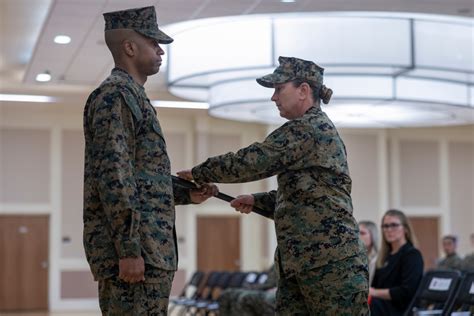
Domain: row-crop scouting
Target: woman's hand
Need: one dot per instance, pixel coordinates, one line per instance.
(243, 203)
(185, 174)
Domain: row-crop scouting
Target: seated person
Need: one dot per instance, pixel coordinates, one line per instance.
(253, 299)
(467, 264)
(451, 261)
(370, 237)
(399, 267)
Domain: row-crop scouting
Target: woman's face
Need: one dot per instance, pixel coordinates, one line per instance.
(286, 98)
(393, 230)
(365, 236)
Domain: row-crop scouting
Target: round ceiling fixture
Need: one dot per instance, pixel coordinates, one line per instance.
(386, 69)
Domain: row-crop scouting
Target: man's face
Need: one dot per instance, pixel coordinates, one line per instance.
(287, 100)
(149, 59)
(449, 246)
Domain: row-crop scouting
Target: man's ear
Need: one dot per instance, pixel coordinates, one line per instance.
(129, 48)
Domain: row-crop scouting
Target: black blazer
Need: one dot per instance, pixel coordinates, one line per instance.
(401, 274)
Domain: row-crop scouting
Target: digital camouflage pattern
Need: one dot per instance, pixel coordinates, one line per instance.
(141, 20)
(121, 298)
(336, 289)
(452, 262)
(129, 197)
(252, 299)
(312, 206)
(292, 68)
(245, 302)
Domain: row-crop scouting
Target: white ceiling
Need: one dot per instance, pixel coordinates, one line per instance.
(27, 29)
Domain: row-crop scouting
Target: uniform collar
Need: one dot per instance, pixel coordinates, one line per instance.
(125, 75)
(313, 109)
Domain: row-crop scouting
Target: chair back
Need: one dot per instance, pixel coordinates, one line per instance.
(262, 278)
(207, 286)
(236, 279)
(220, 285)
(250, 278)
(434, 294)
(190, 290)
(463, 302)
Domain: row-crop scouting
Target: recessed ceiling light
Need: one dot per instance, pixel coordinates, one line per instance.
(43, 77)
(62, 39)
(288, 1)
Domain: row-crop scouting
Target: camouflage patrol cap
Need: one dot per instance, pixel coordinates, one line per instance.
(292, 68)
(141, 20)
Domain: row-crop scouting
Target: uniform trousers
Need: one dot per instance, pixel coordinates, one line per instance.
(117, 298)
(337, 289)
(246, 302)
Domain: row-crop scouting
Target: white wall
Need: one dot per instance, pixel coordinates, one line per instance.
(421, 171)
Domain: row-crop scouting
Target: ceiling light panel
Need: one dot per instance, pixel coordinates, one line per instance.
(393, 65)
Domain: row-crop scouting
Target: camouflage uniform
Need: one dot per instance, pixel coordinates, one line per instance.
(253, 299)
(452, 262)
(128, 193)
(242, 302)
(467, 264)
(320, 258)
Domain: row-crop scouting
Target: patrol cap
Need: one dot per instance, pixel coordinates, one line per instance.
(141, 20)
(292, 68)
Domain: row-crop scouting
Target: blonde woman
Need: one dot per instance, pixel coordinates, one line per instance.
(370, 236)
(399, 267)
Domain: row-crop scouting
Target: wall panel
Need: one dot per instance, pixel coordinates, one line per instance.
(24, 166)
(72, 175)
(419, 173)
(461, 185)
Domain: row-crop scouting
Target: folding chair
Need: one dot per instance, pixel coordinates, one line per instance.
(463, 302)
(262, 278)
(189, 291)
(200, 305)
(202, 291)
(236, 281)
(436, 290)
(250, 278)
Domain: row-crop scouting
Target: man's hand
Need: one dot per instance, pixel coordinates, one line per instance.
(204, 192)
(132, 270)
(185, 174)
(243, 203)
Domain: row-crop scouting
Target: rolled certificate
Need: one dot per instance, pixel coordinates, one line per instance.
(222, 196)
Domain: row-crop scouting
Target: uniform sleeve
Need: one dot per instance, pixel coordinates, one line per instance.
(113, 135)
(288, 147)
(266, 201)
(411, 274)
(181, 195)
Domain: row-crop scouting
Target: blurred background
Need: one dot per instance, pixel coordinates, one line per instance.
(402, 75)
